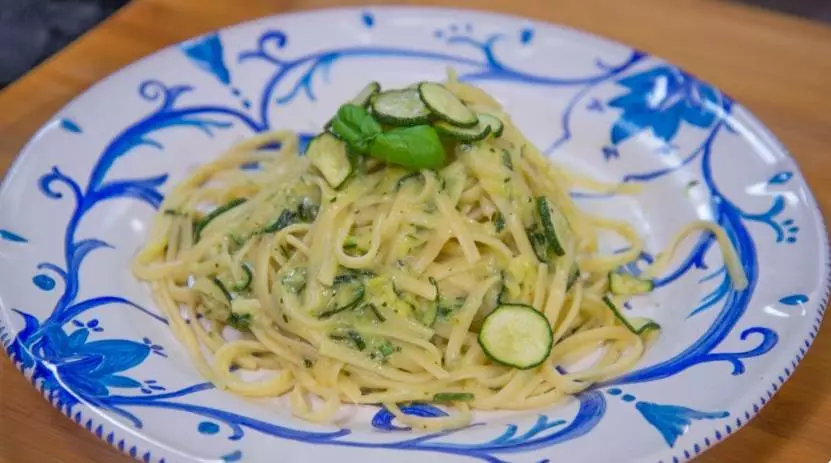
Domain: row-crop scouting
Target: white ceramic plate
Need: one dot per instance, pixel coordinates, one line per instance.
(77, 203)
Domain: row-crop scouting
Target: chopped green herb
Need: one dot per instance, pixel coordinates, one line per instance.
(357, 339)
(498, 221)
(174, 213)
(387, 349)
(308, 363)
(506, 159)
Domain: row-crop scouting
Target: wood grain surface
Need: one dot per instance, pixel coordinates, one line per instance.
(779, 67)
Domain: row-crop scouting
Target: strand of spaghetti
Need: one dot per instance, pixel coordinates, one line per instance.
(571, 315)
(428, 424)
(228, 355)
(608, 263)
(463, 319)
(540, 286)
(351, 357)
(731, 257)
(557, 289)
(506, 393)
(184, 333)
(458, 227)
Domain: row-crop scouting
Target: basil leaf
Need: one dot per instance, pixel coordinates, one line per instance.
(416, 147)
(354, 125)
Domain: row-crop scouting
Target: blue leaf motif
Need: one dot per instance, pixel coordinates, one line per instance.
(117, 355)
(610, 152)
(780, 178)
(31, 324)
(672, 421)
(70, 126)
(120, 381)
(13, 237)
(368, 19)
(80, 384)
(236, 455)
(206, 52)
(44, 282)
(794, 299)
(526, 35)
(383, 418)
(667, 126)
(77, 339)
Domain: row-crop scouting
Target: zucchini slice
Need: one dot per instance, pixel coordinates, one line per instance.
(331, 158)
(636, 326)
(400, 107)
(346, 296)
(294, 280)
(214, 298)
(555, 225)
(445, 105)
(428, 313)
(539, 243)
(463, 134)
(493, 122)
(214, 214)
(516, 335)
(364, 97)
(624, 284)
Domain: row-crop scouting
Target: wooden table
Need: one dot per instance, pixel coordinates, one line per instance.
(780, 67)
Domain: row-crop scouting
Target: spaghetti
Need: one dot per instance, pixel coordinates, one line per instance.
(385, 288)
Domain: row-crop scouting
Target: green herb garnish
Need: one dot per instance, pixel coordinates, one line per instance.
(506, 159)
(416, 147)
(354, 125)
(498, 221)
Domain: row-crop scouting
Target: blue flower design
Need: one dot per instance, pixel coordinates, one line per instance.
(92, 367)
(672, 421)
(660, 98)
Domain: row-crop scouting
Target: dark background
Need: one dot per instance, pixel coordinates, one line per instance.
(32, 30)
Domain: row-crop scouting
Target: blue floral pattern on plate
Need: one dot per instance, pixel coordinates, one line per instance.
(80, 366)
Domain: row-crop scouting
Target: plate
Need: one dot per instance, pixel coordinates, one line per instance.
(78, 201)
